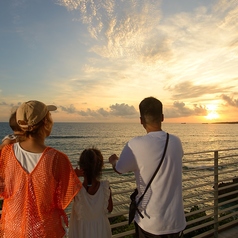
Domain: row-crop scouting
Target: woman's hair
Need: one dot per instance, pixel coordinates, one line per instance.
(91, 161)
(39, 128)
(13, 122)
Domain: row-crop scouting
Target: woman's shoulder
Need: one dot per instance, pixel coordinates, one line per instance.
(55, 151)
(57, 157)
(7, 147)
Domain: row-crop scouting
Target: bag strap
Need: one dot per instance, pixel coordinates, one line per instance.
(165, 148)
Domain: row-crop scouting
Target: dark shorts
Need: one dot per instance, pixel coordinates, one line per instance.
(140, 233)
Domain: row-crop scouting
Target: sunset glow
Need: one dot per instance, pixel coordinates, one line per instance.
(212, 115)
(96, 60)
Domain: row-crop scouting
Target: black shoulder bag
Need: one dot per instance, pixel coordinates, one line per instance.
(133, 208)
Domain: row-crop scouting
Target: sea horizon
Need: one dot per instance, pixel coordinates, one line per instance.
(73, 137)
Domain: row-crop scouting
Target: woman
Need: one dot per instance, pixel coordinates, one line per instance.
(37, 182)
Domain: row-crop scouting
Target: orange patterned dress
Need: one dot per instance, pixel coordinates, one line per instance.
(34, 202)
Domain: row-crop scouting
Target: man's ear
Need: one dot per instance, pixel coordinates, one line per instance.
(162, 117)
(141, 121)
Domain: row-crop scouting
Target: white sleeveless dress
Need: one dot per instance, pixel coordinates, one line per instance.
(89, 214)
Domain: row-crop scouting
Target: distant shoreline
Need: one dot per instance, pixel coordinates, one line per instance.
(231, 122)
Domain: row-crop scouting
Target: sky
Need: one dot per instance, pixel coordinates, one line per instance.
(97, 59)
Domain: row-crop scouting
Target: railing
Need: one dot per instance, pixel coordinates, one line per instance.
(210, 193)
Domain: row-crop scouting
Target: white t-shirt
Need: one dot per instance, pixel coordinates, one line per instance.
(162, 205)
(28, 160)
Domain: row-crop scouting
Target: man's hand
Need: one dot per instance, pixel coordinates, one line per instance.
(113, 160)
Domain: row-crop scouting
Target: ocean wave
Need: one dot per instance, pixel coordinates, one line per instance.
(70, 137)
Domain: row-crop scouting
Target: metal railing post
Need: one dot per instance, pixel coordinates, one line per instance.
(216, 194)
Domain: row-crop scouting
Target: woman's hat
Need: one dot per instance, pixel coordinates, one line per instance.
(32, 112)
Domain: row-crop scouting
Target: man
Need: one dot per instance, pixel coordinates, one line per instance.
(162, 205)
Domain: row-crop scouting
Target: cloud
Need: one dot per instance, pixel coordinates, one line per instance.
(7, 109)
(156, 49)
(91, 13)
(133, 35)
(71, 109)
(229, 100)
(3, 104)
(179, 109)
(10, 105)
(90, 113)
(187, 44)
(116, 110)
(188, 89)
(123, 28)
(123, 110)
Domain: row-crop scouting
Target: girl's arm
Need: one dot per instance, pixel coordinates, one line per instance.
(9, 139)
(79, 172)
(110, 203)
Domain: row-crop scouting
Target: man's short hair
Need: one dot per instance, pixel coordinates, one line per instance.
(151, 110)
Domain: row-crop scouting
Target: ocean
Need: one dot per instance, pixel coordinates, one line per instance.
(73, 138)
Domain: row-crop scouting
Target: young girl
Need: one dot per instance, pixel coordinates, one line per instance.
(93, 202)
(18, 133)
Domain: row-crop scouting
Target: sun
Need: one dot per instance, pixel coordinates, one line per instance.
(212, 114)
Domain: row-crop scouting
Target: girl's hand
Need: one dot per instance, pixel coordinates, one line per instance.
(79, 172)
(9, 139)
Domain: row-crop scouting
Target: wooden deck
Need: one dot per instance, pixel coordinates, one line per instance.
(229, 233)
